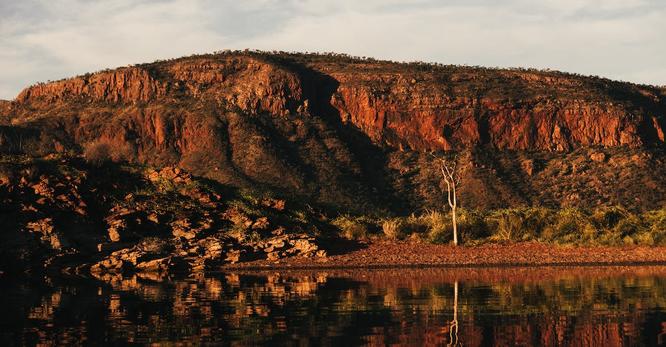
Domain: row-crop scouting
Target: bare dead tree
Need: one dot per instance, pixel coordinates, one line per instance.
(452, 179)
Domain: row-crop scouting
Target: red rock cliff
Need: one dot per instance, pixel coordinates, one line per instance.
(418, 111)
(121, 85)
(398, 105)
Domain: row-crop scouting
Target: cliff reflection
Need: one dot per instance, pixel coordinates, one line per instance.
(473, 307)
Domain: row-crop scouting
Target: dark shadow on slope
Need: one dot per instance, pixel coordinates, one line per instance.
(373, 190)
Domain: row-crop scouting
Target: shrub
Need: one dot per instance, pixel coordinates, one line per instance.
(394, 228)
(645, 238)
(440, 236)
(505, 224)
(101, 151)
(97, 153)
(628, 226)
(436, 222)
(416, 225)
(607, 217)
(570, 226)
(536, 220)
(432, 225)
(472, 226)
(352, 228)
(606, 225)
(655, 225)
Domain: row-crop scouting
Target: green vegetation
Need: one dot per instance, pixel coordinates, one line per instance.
(354, 228)
(612, 226)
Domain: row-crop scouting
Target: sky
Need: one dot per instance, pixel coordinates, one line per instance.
(43, 40)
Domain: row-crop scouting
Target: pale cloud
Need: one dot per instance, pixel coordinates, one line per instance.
(51, 39)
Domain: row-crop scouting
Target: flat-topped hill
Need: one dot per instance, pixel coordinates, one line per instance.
(356, 133)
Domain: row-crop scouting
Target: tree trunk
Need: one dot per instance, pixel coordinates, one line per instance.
(455, 227)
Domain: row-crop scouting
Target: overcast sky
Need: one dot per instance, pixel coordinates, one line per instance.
(50, 39)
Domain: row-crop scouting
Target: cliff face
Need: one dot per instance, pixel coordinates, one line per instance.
(347, 132)
(419, 111)
(441, 109)
(245, 83)
(122, 85)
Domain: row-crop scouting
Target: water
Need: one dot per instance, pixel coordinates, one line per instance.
(607, 306)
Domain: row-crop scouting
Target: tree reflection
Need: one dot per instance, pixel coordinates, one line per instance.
(453, 328)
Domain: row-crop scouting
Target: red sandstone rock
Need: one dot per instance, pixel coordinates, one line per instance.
(399, 107)
(122, 85)
(598, 157)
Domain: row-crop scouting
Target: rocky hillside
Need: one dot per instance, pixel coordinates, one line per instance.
(63, 214)
(356, 134)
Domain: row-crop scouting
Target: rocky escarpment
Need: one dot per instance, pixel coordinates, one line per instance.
(122, 85)
(244, 83)
(451, 123)
(418, 108)
(352, 133)
(451, 110)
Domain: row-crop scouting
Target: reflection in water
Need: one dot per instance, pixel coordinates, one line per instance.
(453, 328)
(472, 307)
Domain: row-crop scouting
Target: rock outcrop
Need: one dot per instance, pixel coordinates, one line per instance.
(423, 117)
(61, 214)
(125, 85)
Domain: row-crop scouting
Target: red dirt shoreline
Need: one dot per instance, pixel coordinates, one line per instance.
(392, 254)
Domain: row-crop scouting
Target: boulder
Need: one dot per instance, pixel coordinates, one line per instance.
(598, 156)
(528, 166)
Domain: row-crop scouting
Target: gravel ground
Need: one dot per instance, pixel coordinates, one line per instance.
(386, 254)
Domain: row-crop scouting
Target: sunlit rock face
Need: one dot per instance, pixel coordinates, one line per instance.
(511, 110)
(418, 107)
(353, 133)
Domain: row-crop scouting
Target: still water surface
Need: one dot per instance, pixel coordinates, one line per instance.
(611, 306)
